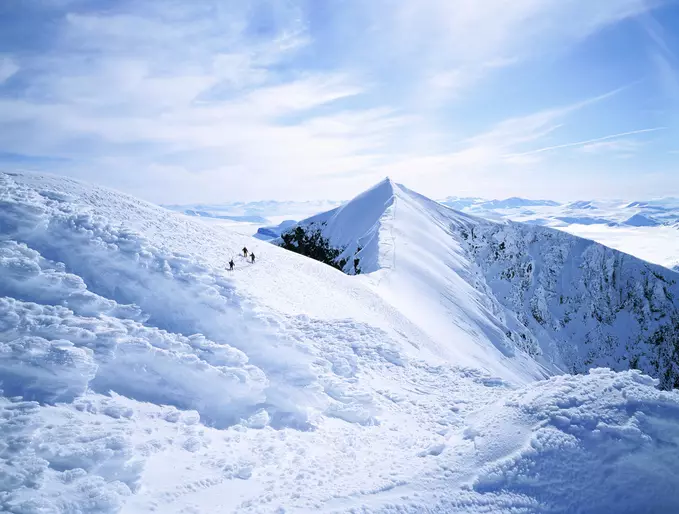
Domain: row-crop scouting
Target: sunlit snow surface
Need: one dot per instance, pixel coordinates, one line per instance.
(139, 375)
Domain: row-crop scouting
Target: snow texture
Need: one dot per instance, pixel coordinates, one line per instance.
(139, 375)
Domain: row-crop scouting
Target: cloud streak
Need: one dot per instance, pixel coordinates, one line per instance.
(590, 141)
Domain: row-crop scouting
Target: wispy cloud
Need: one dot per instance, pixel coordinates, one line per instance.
(591, 143)
(494, 150)
(621, 147)
(662, 56)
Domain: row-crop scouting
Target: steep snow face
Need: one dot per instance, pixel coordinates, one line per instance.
(570, 303)
(138, 375)
(411, 256)
(587, 305)
(355, 226)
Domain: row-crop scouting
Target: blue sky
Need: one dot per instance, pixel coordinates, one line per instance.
(183, 101)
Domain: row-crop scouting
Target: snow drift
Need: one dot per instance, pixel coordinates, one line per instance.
(139, 375)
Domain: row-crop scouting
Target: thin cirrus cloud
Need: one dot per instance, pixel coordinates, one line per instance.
(218, 100)
(603, 142)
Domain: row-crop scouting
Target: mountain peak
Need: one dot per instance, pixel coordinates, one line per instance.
(355, 224)
(384, 189)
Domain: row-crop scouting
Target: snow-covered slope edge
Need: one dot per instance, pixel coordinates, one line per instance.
(569, 302)
(138, 375)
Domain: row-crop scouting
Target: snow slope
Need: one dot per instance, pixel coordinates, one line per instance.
(568, 302)
(138, 375)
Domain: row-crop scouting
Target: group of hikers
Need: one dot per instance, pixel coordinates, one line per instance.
(245, 255)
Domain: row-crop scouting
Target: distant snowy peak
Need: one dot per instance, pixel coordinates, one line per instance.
(363, 228)
(639, 220)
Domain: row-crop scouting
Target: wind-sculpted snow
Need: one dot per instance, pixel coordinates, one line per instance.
(138, 375)
(604, 428)
(603, 442)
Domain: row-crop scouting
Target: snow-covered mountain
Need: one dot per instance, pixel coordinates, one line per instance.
(571, 303)
(139, 375)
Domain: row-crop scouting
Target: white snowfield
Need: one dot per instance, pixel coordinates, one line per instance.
(139, 375)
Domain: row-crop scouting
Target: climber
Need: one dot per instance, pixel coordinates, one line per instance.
(231, 265)
(245, 251)
(252, 256)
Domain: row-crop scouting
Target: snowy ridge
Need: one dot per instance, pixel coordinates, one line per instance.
(570, 303)
(367, 216)
(138, 375)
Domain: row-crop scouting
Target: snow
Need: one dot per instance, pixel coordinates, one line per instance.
(139, 375)
(491, 293)
(267, 233)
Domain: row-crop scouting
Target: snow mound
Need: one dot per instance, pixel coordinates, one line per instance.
(571, 435)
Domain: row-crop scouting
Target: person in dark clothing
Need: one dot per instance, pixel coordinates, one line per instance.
(245, 252)
(231, 265)
(252, 256)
